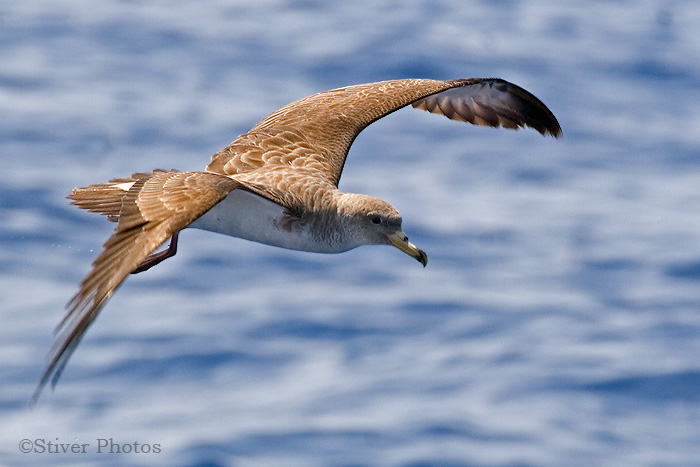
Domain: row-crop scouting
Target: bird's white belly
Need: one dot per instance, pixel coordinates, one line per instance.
(244, 214)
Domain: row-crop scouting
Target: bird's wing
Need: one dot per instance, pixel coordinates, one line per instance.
(156, 206)
(314, 134)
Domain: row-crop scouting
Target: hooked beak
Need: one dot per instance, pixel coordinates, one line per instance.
(400, 241)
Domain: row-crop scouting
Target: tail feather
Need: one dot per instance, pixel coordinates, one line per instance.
(106, 198)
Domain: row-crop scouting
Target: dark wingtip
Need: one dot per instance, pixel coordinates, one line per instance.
(39, 389)
(555, 131)
(536, 114)
(491, 102)
(552, 127)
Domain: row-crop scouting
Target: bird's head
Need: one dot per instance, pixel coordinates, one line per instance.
(376, 222)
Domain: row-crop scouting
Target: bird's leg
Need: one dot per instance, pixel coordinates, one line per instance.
(155, 258)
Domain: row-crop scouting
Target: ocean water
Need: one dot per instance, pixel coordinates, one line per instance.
(557, 322)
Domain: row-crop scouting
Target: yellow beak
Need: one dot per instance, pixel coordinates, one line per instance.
(400, 241)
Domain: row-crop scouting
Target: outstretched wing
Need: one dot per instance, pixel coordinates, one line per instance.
(315, 133)
(156, 206)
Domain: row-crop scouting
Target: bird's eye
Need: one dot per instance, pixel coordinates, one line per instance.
(375, 220)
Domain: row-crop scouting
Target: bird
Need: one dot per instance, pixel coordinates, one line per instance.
(277, 185)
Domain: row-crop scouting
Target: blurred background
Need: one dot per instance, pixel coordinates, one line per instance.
(557, 322)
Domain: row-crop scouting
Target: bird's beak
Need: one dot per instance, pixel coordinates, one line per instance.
(400, 241)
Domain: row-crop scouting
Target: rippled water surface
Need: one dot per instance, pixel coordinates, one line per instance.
(557, 323)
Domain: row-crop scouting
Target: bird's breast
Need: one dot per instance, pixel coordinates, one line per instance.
(246, 215)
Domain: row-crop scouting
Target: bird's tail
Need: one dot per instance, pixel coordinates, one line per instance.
(105, 198)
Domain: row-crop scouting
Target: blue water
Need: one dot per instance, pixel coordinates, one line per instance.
(557, 322)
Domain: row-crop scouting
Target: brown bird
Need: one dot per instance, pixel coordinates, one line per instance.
(278, 185)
